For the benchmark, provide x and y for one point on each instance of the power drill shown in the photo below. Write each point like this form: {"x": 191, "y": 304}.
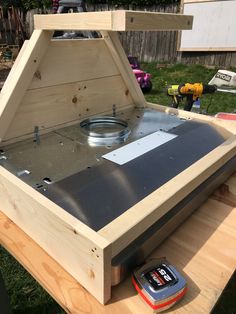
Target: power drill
{"x": 192, "y": 92}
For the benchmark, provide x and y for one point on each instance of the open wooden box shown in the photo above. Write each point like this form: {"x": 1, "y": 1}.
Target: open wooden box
{"x": 56, "y": 84}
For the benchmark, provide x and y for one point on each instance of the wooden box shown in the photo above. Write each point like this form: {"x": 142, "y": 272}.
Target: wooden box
{"x": 58, "y": 83}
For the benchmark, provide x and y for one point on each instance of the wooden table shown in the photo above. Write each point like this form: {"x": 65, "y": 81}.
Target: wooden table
{"x": 203, "y": 248}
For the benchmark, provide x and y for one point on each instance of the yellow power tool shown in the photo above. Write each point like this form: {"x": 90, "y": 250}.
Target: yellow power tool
{"x": 192, "y": 92}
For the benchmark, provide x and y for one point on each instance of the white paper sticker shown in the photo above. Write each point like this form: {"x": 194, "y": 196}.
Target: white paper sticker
{"x": 137, "y": 148}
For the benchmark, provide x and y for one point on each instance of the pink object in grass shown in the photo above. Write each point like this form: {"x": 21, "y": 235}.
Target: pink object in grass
{"x": 226, "y": 116}
{"x": 143, "y": 78}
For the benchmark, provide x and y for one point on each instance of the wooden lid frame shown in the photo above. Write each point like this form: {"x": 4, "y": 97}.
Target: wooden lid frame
{"x": 120, "y": 20}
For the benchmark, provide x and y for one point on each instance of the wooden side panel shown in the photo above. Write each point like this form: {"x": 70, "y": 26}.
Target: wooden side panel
{"x": 66, "y": 290}
{"x": 68, "y": 61}
{"x": 77, "y": 248}
{"x": 120, "y": 59}
{"x": 138, "y": 218}
{"x": 76, "y": 79}
{"x": 53, "y": 106}
{"x": 17, "y": 84}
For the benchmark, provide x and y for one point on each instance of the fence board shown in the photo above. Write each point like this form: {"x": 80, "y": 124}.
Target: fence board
{"x": 147, "y": 46}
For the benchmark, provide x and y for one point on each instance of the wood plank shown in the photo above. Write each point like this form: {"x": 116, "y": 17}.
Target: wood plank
{"x": 119, "y": 20}
{"x": 73, "y": 21}
{"x": 80, "y": 250}
{"x": 138, "y": 218}
{"x": 233, "y": 60}
{"x": 212, "y": 222}
{"x": 51, "y": 276}
{"x": 139, "y": 20}
{"x": 120, "y": 58}
{"x": 58, "y": 105}
{"x": 227, "y": 193}
{"x": 69, "y": 61}
{"x": 178, "y": 43}
{"x": 205, "y": 248}
{"x": 16, "y": 86}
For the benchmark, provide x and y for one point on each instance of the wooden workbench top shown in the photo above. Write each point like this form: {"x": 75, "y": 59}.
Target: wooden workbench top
{"x": 203, "y": 248}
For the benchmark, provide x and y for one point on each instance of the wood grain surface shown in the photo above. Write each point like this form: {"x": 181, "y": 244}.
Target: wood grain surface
{"x": 202, "y": 248}
{"x": 79, "y": 249}
{"x": 16, "y": 85}
{"x": 118, "y": 20}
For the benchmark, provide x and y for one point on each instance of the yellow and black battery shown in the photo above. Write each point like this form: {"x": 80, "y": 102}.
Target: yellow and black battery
{"x": 190, "y": 91}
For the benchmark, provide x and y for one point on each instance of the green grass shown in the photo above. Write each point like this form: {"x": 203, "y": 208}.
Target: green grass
{"x": 27, "y": 297}
{"x": 179, "y": 74}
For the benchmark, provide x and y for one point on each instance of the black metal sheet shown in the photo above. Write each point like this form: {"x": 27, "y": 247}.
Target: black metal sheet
{"x": 98, "y": 195}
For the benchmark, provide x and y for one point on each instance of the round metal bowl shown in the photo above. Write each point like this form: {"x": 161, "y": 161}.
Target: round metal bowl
{"x": 105, "y": 130}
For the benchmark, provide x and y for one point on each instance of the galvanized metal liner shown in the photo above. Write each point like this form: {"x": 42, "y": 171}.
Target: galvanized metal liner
{"x": 98, "y": 195}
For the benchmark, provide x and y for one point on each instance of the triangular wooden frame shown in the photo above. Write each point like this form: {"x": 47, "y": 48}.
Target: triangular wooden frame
{"x": 17, "y": 122}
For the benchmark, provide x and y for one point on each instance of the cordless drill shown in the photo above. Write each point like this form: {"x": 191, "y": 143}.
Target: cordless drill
{"x": 191, "y": 92}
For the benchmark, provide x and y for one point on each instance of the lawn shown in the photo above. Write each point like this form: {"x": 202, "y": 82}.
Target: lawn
{"x": 180, "y": 74}
{"x": 27, "y": 297}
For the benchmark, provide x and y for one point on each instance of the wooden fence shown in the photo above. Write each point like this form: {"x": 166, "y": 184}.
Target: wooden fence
{"x": 12, "y": 30}
{"x": 147, "y": 46}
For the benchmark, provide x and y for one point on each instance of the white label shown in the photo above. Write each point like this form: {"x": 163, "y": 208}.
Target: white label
{"x": 135, "y": 149}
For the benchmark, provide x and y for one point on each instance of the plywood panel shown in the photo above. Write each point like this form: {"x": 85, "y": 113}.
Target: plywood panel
{"x": 53, "y": 106}
{"x": 68, "y": 61}
{"x": 216, "y": 32}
